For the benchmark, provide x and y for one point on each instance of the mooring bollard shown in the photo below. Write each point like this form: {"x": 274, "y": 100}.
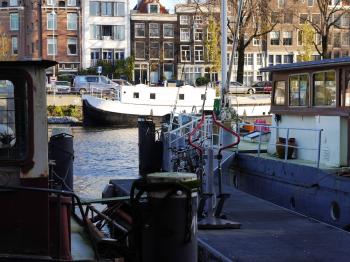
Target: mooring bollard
{"x": 168, "y": 223}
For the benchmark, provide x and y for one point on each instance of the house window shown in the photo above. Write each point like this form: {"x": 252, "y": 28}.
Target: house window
{"x": 153, "y": 30}
{"x": 303, "y": 18}
{"x": 299, "y": 90}
{"x": 181, "y": 96}
{"x": 168, "y": 50}
{"x": 259, "y": 59}
{"x": 119, "y": 32}
{"x": 278, "y": 59}
{"x": 107, "y": 54}
{"x": 310, "y": 3}
{"x": 275, "y": 38}
{"x": 288, "y": 17}
{"x": 153, "y": 8}
{"x": 106, "y": 8}
{"x": 51, "y": 46}
{"x": 281, "y": 3}
{"x": 119, "y": 54}
{"x": 136, "y": 95}
{"x": 95, "y": 8}
{"x": 288, "y": 59}
{"x": 139, "y": 50}
{"x": 345, "y": 39}
{"x": 287, "y": 38}
{"x": 248, "y": 78}
{"x": 184, "y": 20}
{"x": 14, "y": 45}
{"x": 14, "y": 117}
{"x": 185, "y": 53}
{"x": 168, "y": 30}
{"x": 119, "y": 9}
{"x": 256, "y": 41}
{"x": 72, "y": 46}
{"x": 248, "y": 59}
{"x": 300, "y": 37}
{"x": 13, "y": 2}
{"x": 324, "y": 88}
{"x": 95, "y": 55}
{"x": 336, "y": 39}
{"x": 152, "y": 96}
{"x": 50, "y": 2}
{"x": 198, "y": 34}
{"x": 107, "y": 32}
{"x": 185, "y": 34}
{"x": 154, "y": 50}
{"x": 95, "y": 32}
{"x": 14, "y": 21}
{"x": 139, "y": 30}
{"x": 168, "y": 70}
{"x": 198, "y": 20}
{"x": 71, "y": 3}
{"x": 270, "y": 60}
{"x": 51, "y": 21}
{"x": 279, "y": 95}
{"x": 275, "y": 17}
{"x": 72, "y": 21}
{"x": 198, "y": 53}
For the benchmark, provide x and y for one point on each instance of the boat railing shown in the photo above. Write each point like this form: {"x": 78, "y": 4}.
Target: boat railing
{"x": 288, "y": 134}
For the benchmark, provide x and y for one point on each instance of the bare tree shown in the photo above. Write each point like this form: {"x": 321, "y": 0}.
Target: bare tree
{"x": 327, "y": 14}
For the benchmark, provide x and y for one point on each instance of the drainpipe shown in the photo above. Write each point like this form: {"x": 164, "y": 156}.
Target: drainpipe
{"x": 40, "y": 31}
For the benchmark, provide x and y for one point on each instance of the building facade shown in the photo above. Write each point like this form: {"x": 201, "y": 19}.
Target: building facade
{"x": 153, "y": 42}
{"x": 105, "y": 31}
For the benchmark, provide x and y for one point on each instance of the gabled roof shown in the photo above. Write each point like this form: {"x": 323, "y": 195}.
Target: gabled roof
{"x": 142, "y": 6}
{"x": 304, "y": 65}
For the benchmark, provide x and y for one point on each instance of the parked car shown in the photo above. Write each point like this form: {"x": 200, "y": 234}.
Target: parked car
{"x": 236, "y": 87}
{"x": 59, "y": 87}
{"x": 122, "y": 82}
{"x": 263, "y": 87}
{"x": 92, "y": 83}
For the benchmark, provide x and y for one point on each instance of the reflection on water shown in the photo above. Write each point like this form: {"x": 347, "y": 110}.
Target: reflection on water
{"x": 101, "y": 155}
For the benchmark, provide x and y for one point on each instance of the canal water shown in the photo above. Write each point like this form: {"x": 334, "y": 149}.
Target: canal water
{"x": 102, "y": 155}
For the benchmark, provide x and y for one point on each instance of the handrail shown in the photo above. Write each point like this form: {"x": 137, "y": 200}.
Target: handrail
{"x": 190, "y": 142}
{"x": 216, "y": 122}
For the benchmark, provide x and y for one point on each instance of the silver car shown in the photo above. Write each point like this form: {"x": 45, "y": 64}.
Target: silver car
{"x": 92, "y": 84}
{"x": 239, "y": 88}
{"x": 59, "y": 87}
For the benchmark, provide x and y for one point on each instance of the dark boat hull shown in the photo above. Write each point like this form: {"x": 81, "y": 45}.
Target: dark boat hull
{"x": 93, "y": 116}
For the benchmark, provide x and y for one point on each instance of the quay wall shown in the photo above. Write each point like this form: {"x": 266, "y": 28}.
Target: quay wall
{"x": 63, "y": 100}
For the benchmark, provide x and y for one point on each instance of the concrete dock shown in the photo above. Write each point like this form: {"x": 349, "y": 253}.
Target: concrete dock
{"x": 268, "y": 233}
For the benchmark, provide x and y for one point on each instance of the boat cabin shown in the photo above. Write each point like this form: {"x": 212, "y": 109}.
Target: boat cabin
{"x": 312, "y": 98}
{"x": 24, "y": 220}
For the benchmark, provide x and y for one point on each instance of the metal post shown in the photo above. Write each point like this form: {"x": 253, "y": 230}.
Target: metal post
{"x": 210, "y": 181}
{"x": 319, "y": 148}
{"x": 259, "y": 148}
{"x": 223, "y": 49}
{"x": 286, "y": 146}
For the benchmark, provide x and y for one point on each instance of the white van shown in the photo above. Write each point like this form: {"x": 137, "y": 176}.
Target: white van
{"x": 92, "y": 84}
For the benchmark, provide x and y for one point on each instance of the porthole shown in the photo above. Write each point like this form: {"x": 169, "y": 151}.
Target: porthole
{"x": 335, "y": 211}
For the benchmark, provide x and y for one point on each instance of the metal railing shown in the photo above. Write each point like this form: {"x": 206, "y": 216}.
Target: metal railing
{"x": 263, "y": 129}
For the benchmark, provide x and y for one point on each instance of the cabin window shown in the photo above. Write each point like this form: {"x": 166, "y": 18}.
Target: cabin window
{"x": 279, "y": 95}
{"x": 152, "y": 96}
{"x": 181, "y": 96}
{"x": 298, "y": 90}
{"x": 13, "y": 120}
{"x": 136, "y": 95}
{"x": 324, "y": 89}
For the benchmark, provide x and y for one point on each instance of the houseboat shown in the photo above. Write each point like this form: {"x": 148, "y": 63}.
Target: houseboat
{"x": 305, "y": 163}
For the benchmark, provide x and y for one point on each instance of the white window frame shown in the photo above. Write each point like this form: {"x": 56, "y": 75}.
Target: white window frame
{"x": 256, "y": 41}
{"x": 172, "y": 26}
{"x": 311, "y": 4}
{"x": 117, "y": 9}
{"x": 75, "y": 39}
{"x": 166, "y": 58}
{"x": 198, "y": 20}
{"x": 149, "y": 31}
{"x": 199, "y": 53}
{"x": 185, "y": 31}
{"x": 14, "y": 26}
{"x": 121, "y": 29}
{"x": 13, "y": 3}
{"x": 50, "y": 2}
{"x": 71, "y": 2}
{"x": 54, "y": 22}
{"x": 76, "y": 21}
{"x": 259, "y": 57}
{"x": 144, "y": 51}
{"x": 54, "y": 40}
{"x": 184, "y": 19}
{"x": 149, "y": 47}
{"x": 14, "y": 43}
{"x": 281, "y": 3}
{"x": 196, "y": 33}
{"x": 144, "y": 30}
{"x": 149, "y": 8}
{"x": 186, "y": 51}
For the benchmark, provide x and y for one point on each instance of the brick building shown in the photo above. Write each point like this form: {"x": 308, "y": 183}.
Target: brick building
{"x": 153, "y": 42}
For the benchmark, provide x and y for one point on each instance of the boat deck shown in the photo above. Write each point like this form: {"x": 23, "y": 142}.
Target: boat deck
{"x": 268, "y": 233}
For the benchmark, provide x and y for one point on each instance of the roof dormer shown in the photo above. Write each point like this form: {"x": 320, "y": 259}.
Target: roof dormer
{"x": 153, "y": 8}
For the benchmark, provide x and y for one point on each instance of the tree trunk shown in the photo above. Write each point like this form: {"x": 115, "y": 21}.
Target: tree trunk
{"x": 240, "y": 64}
{"x": 325, "y": 46}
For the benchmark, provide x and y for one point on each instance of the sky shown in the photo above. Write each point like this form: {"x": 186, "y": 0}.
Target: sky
{"x": 169, "y": 4}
